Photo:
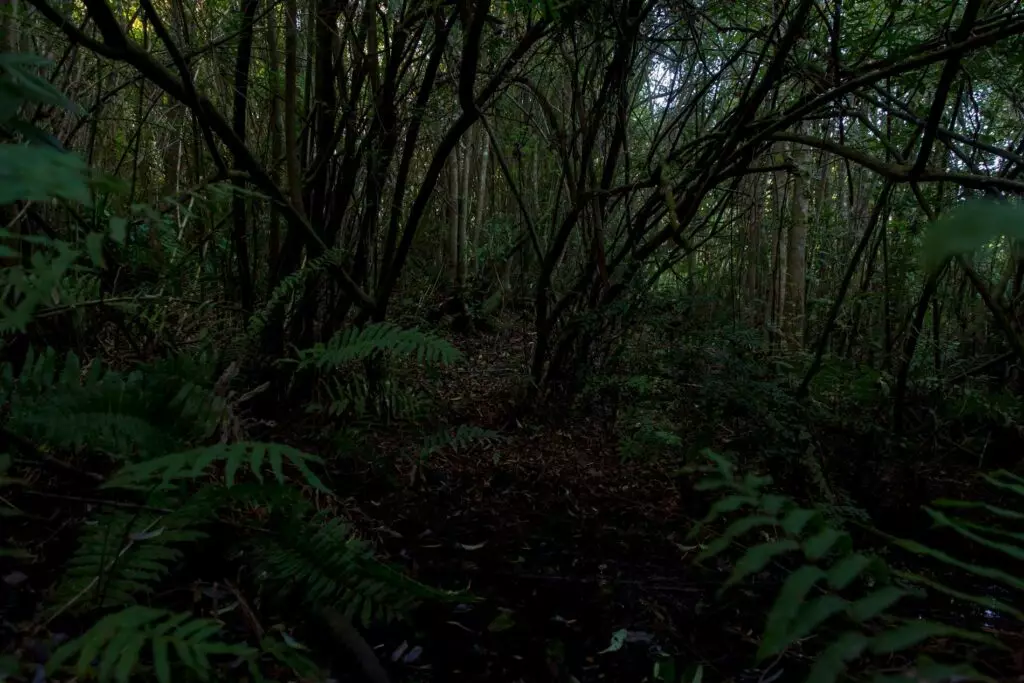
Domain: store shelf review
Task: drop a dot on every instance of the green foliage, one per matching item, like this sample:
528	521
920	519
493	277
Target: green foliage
969	226
194	463
121	556
357	344
462	436
320	562
354	396
996	528
153	423
846	598
354	378
118	641
61	405
646	434
292	285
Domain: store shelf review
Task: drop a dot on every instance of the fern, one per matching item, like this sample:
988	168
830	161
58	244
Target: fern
808	600
121	556
322	563
193	464
998	529
113	648
56	402
356	344
291	284
352	392
354	397
463	436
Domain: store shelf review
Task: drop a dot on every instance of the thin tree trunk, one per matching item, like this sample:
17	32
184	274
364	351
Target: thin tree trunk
796	254
481	199
276	133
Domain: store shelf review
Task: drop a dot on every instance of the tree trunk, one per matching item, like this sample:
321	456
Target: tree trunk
796	257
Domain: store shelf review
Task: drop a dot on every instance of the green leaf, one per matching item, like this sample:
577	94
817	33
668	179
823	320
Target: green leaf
912	633
161	663
985	601
795	521
41	173
847	569
987	572
787	606
969	226
822	543
929	670
118	229
944	520
876	603
94	248
814	614
831	663
737	528
758	557
502	622
618	640
965	504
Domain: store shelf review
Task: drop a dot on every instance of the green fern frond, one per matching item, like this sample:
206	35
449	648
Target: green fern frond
354	344
462	437
54	401
121	556
193	464
113	649
998	529
291	284
325	564
808	604
353	397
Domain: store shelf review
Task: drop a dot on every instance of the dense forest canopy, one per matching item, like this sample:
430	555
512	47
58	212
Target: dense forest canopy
319	314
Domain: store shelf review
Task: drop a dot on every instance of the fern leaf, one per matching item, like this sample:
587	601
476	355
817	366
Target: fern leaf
193	464
325	564
118	642
145	412
463	436
121	556
360	344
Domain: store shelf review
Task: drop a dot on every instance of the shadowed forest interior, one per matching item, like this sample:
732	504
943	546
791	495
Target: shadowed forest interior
512	341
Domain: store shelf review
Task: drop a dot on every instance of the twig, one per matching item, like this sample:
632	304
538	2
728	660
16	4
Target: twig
250	616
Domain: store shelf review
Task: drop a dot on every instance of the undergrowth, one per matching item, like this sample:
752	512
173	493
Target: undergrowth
172	483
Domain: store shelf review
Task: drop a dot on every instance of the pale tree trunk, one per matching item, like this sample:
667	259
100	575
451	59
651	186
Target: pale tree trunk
464	204
481	198
777	294
796	256
291	145
752	263
453	221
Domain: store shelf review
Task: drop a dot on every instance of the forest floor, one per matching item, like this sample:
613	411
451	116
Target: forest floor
580	561
564	544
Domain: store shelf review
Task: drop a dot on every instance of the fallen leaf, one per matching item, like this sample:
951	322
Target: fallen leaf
502	622
618	640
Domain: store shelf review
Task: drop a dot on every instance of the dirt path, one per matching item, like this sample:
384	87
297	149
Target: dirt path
564	543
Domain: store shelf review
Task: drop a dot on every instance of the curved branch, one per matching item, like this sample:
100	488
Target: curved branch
902	173
204	110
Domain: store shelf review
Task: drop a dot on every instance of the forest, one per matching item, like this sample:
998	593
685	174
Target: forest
512	340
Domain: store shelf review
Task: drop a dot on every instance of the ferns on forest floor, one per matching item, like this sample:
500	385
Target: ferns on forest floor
810	601
123	557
